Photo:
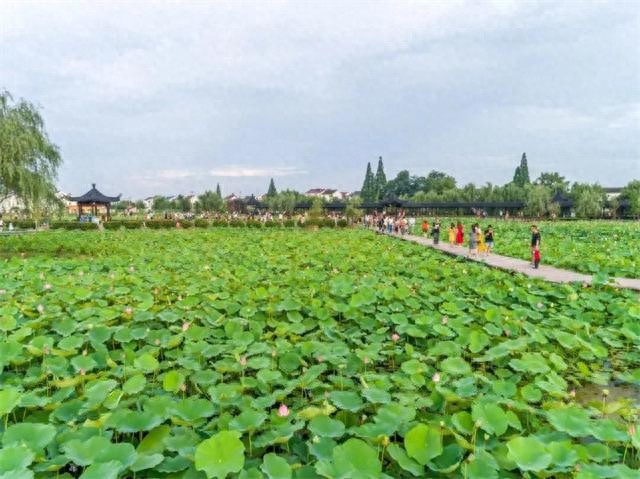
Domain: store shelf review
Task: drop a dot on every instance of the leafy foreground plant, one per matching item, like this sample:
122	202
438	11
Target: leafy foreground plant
289	354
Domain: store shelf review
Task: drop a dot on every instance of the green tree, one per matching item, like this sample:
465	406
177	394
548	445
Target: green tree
438	181
28	160
588	200
538	201
405	185
316	208
284	201
218	190
631	193
553	181
352	210
210	202
368	191
182	203
521	175
160	203
380	180
272	189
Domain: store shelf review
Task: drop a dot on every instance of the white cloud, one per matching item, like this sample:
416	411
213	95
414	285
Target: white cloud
241	171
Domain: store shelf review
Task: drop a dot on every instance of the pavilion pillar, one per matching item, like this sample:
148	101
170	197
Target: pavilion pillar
79	210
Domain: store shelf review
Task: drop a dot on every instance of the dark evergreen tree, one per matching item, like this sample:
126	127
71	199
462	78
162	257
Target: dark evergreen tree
272	189
218	191
368	192
380	180
521	175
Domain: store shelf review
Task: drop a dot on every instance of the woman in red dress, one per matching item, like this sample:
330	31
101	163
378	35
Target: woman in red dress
460	234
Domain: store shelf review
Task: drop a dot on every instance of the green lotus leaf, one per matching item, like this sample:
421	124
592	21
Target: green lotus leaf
15	458
247	420
9	399
128	421
490	417
563	453
376	396
102	470
400	456
529	453
35	436
423	443
347	400
146	461
354	458
153	442
192	409
455	366
220	455
573	420
324	426
173	381
146	363
134	384
481	465
478	341
275	467
533	363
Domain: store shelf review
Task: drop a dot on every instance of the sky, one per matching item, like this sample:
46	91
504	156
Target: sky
148	98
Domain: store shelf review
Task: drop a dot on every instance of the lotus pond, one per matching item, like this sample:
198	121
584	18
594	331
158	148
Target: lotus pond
295	354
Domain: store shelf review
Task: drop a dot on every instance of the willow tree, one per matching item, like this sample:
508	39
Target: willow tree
29	161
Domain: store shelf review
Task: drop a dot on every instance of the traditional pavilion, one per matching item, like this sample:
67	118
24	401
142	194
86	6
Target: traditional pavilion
94	201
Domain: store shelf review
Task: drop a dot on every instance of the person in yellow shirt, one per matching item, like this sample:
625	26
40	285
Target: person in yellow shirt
452	234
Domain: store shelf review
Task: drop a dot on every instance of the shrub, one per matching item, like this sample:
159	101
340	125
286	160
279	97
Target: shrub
113	225
219	222
201	223
160	224
327	223
311	223
289	223
57	225
271	224
185	223
342	223
82	226
254	224
236	223
23	224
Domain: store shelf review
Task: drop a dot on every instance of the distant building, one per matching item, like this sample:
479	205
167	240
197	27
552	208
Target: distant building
11	204
612	192
327	194
231	197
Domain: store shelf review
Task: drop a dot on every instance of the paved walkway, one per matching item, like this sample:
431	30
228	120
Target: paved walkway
545	272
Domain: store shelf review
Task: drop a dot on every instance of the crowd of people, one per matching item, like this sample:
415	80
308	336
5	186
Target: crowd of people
480	241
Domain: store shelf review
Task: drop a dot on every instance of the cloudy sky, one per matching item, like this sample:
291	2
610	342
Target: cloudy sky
171	97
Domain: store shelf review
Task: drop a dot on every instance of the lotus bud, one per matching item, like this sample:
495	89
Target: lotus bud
157	342
632	430
243	361
540	305
445	319
283	410
320	358
572	393
131	269
45	350
436	378
40	309
47	286
3	291
80	273
179	297
128	310
41	275
605	392
385	441
315	440
395	337
183	387
112	276
185	326
486	437
82	372
478	423
366	360
84	352
441	423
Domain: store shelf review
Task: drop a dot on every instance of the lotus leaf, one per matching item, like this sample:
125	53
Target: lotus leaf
220	455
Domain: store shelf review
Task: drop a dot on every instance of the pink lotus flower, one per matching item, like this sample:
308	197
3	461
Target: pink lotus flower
243	361
47	286
572	393
445	319
632	430
283	410
395	337
185	326
366	360
128	310
436	378
40	309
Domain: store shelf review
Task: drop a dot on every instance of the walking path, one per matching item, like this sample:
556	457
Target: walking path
545	272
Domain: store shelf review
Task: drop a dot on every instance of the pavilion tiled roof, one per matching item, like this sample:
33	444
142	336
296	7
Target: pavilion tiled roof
94	196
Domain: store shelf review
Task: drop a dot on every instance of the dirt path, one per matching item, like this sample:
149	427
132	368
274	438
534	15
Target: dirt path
549	273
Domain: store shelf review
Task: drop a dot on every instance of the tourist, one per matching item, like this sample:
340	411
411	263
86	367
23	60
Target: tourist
425	227
488	239
459	234
480	239
452	234
436	231
535	246
473	241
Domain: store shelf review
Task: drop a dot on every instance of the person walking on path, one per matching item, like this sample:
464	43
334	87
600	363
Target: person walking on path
488	239
452	234
480	236
436	231
535	246
473	241
459	234
425	227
